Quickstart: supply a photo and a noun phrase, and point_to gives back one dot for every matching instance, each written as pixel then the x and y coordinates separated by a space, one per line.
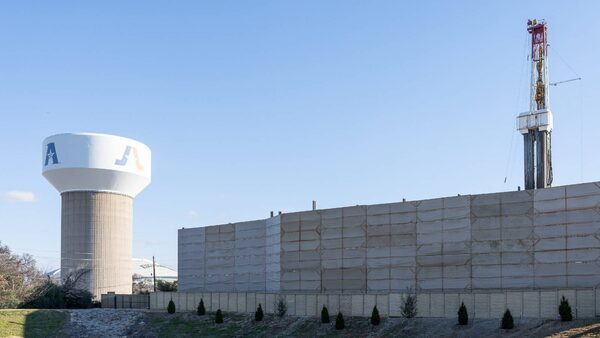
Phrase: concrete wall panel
pixel 346 304
pixel 423 304
pixel 436 306
pixel 357 305
pixel 312 308
pixel 586 307
pixel 395 303
pixel 482 305
pixel 451 304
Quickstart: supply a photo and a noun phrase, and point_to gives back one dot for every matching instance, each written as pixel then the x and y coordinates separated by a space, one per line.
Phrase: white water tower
pixel 98 176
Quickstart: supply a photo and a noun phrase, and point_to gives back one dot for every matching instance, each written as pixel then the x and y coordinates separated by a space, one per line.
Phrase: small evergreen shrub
pixel 409 304
pixel 258 315
pixel 324 315
pixel 375 320
pixel 463 316
pixel 171 307
pixel 281 307
pixel 219 317
pixel 564 309
pixel 507 320
pixel 339 322
pixel 201 309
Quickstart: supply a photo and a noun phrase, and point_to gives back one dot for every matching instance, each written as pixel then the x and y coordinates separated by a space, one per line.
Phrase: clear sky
pixel 253 106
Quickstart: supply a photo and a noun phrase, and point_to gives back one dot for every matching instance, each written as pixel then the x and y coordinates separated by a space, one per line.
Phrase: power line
pixel 564 61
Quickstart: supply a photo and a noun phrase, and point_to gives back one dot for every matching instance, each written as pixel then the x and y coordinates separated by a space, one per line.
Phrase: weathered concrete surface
pixel 542 239
pixel 480 303
pixel 96 240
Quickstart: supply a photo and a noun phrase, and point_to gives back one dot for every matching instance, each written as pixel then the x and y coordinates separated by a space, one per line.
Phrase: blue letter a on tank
pixel 123 160
pixel 51 154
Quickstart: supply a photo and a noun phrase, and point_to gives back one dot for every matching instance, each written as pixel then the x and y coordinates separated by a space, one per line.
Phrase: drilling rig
pixel 536 124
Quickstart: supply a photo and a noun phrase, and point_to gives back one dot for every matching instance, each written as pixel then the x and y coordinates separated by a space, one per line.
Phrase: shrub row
pixel 408 311
pixel 507 323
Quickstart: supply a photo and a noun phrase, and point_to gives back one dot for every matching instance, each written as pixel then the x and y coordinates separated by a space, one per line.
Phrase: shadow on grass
pixel 44 323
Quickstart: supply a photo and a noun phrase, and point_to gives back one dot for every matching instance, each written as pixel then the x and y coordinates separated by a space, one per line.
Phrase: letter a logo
pixel 123 160
pixel 51 154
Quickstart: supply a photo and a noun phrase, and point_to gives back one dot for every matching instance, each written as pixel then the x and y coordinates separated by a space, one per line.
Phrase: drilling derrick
pixel 536 124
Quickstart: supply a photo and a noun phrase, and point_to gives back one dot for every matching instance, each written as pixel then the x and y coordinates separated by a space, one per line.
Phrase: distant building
pixel 141 272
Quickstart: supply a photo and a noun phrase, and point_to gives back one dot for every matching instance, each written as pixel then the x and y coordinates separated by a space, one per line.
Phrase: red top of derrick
pixel 533 25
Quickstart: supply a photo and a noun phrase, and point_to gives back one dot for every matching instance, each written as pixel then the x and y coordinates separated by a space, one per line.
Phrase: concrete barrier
pixel 542 239
pixel 585 303
pixel 118 301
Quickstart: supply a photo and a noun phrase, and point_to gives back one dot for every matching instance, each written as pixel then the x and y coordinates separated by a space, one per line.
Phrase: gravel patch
pixel 104 322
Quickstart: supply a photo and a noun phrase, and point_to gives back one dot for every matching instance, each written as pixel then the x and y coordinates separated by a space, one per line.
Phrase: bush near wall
pixel 339 322
pixel 507 320
pixel 324 315
pixel 463 315
pixel 219 317
pixel 258 315
pixel 201 310
pixel 564 309
pixel 375 319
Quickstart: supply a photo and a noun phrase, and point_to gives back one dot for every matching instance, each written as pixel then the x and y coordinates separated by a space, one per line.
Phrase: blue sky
pixel 253 106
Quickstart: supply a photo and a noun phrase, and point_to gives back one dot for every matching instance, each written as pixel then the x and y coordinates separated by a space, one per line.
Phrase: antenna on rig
pixel 554 84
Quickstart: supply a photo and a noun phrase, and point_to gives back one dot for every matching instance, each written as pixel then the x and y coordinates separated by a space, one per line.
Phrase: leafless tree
pixel 18 277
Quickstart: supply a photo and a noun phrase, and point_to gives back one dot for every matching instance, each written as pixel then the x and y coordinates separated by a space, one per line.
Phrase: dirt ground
pixel 141 323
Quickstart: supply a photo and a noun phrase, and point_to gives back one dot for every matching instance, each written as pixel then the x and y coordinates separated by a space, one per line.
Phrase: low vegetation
pixel 23 285
pixel 375 319
pixel 409 304
pixel 281 306
pixel 165 286
pixel 219 317
pixel 564 310
pixel 258 315
pixel 171 307
pixel 339 322
pixel 67 295
pixel 201 310
pixel 324 315
pixel 507 320
pixel 463 315
pixel 19 278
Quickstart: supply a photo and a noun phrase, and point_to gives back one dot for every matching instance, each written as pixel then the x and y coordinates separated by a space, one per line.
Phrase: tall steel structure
pixel 536 124
pixel 97 176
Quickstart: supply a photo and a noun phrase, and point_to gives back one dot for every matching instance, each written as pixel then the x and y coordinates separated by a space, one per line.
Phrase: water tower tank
pixel 98 176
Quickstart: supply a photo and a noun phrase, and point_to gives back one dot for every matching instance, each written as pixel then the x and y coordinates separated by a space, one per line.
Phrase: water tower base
pixel 96 240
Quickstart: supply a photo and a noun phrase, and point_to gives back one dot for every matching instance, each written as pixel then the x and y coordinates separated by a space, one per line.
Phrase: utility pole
pixel 154 273
pixel 536 124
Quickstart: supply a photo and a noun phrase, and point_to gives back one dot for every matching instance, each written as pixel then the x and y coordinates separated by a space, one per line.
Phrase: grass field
pixel 32 323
